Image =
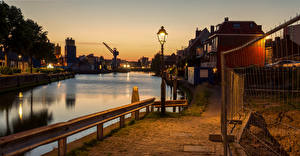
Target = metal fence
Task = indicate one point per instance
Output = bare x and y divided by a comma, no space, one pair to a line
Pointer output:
261,93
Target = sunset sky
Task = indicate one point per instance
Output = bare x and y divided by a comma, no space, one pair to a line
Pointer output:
131,25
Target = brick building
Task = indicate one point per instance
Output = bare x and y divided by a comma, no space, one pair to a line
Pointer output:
226,36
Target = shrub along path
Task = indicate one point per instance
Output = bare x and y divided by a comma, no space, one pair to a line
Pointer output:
185,134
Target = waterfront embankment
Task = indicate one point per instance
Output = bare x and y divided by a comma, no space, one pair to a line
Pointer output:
184,133
15,82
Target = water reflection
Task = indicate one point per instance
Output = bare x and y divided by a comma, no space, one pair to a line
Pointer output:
70,95
68,99
34,120
20,111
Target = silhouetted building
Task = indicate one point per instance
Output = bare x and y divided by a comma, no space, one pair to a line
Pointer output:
293,33
170,60
57,51
196,45
144,61
58,55
70,52
283,49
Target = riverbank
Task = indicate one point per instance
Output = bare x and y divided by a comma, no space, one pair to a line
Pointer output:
20,81
176,134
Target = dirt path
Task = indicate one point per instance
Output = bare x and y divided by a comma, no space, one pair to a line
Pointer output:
186,135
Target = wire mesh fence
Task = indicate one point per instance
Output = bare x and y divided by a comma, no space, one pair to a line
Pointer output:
261,88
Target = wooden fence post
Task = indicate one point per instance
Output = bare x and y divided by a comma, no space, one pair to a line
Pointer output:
152,108
100,131
62,147
147,109
122,121
137,115
174,109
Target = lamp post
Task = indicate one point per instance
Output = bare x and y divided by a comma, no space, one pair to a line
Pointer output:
162,36
19,59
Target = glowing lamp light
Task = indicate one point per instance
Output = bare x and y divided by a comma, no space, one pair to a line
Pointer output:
128,66
20,94
215,70
50,66
162,35
124,65
19,56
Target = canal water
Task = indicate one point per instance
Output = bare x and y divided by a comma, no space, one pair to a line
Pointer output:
71,98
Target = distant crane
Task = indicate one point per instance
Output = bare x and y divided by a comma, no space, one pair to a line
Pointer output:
115,54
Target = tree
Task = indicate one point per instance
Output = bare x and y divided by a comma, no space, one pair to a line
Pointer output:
156,64
24,37
10,18
40,46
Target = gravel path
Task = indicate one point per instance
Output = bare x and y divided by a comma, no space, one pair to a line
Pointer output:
187,135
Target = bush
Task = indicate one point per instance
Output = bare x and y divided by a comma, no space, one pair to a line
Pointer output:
16,70
9,71
34,70
48,71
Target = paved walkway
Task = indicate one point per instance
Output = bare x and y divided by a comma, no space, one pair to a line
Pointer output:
187,135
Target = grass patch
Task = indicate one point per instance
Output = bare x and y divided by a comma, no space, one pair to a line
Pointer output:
83,150
199,102
113,132
131,122
158,115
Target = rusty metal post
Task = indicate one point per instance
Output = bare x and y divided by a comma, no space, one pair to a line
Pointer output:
134,97
62,147
223,106
100,131
122,121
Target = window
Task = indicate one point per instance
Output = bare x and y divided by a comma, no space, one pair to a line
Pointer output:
251,25
236,25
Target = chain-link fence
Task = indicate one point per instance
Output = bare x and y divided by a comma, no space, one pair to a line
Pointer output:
261,93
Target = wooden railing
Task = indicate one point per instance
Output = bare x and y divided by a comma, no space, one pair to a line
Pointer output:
181,104
21,142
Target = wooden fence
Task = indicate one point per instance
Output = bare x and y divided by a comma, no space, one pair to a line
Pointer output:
21,142
25,141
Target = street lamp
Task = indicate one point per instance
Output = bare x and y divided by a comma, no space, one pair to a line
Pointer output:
162,36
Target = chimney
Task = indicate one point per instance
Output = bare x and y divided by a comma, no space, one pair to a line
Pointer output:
197,32
212,29
226,19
